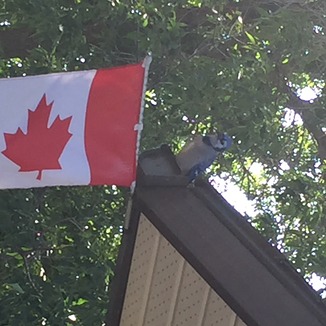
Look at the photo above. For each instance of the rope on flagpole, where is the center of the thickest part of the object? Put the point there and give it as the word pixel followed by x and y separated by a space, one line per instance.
pixel 138 127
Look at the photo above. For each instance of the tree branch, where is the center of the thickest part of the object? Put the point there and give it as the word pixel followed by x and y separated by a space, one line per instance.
pixel 310 121
pixel 18 41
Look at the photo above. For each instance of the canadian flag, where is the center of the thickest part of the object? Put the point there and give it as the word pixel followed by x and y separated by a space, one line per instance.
pixel 74 128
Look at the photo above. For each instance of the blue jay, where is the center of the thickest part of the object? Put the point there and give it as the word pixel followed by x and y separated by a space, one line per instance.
pixel 199 153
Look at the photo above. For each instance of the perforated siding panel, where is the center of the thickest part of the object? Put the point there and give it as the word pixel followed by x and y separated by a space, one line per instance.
pixel 163 289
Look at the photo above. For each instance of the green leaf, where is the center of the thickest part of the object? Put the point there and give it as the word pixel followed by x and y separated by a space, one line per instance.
pixel 16 287
pixel 251 38
pixel 80 302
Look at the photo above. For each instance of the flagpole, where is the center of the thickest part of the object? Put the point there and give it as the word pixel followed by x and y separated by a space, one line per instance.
pixel 138 127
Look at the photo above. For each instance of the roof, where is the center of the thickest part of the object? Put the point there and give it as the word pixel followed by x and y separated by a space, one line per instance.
pixel 185 238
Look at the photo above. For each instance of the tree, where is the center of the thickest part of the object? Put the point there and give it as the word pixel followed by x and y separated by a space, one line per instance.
pixel 227 65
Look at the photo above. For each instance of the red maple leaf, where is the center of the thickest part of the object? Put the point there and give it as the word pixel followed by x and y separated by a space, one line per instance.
pixel 41 147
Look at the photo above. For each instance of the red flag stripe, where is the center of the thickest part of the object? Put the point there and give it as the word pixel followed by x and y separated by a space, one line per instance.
pixel 113 110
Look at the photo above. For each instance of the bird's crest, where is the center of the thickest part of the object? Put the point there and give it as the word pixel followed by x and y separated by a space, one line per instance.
pixel 220 142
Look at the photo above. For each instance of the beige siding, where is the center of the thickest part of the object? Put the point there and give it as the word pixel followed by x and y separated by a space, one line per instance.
pixel 163 289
